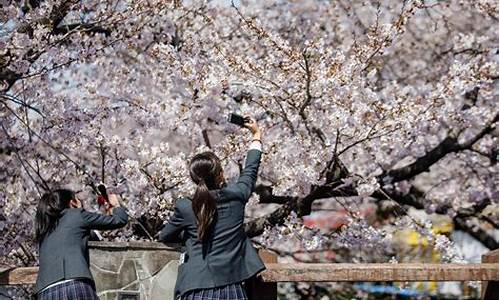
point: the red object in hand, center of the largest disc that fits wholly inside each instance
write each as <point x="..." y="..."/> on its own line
<point x="101" y="200"/>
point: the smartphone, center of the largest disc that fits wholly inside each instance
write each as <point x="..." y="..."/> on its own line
<point x="237" y="119"/>
<point x="102" y="198"/>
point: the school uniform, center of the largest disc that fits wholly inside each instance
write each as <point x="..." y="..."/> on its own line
<point x="69" y="289"/>
<point x="217" y="269"/>
<point x="64" y="256"/>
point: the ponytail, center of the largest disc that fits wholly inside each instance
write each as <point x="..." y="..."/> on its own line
<point x="205" y="170"/>
<point x="49" y="211"/>
<point x="204" y="208"/>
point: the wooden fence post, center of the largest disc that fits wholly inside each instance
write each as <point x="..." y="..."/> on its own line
<point x="489" y="289"/>
<point x="257" y="289"/>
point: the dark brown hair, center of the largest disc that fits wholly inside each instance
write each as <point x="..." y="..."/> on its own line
<point x="204" y="170"/>
<point x="49" y="211"/>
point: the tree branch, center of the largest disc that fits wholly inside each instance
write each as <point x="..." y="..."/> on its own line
<point x="415" y="198"/>
<point x="63" y="29"/>
<point x="476" y="231"/>
<point x="52" y="21"/>
<point x="448" y="145"/>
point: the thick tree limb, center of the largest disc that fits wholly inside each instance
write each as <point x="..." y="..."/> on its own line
<point x="476" y="231"/>
<point x="461" y="219"/>
<point x="448" y="145"/>
<point x="266" y="195"/>
<point x="302" y="206"/>
<point x="415" y="198"/>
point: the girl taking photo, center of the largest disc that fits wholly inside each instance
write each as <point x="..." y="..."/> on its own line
<point x="62" y="232"/>
<point x="219" y="256"/>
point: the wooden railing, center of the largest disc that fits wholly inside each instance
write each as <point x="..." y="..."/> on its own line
<point x="264" y="287"/>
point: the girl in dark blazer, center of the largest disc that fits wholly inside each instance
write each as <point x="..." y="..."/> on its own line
<point x="62" y="231"/>
<point x="219" y="256"/>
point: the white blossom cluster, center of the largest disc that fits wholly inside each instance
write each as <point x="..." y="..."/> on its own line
<point x="292" y="234"/>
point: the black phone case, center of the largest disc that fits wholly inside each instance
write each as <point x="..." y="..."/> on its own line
<point x="236" y="119"/>
<point x="102" y="189"/>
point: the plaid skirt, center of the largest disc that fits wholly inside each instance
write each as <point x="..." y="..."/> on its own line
<point x="232" y="291"/>
<point x="71" y="290"/>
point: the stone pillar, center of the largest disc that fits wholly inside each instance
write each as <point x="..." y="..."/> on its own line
<point x="134" y="270"/>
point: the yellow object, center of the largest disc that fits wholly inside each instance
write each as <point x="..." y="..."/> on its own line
<point x="419" y="249"/>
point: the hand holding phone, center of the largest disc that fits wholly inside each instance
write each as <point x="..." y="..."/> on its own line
<point x="245" y="121"/>
<point x="113" y="200"/>
<point x="237" y="119"/>
<point x="251" y="124"/>
<point x="102" y="197"/>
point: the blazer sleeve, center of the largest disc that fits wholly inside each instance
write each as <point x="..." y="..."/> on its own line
<point x="248" y="177"/>
<point x="118" y="219"/>
<point x="172" y="231"/>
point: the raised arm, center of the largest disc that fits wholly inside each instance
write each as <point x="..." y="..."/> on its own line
<point x="248" y="176"/>
<point x="117" y="219"/>
<point x="171" y="232"/>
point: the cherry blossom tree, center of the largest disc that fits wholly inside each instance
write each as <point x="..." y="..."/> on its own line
<point x="359" y="102"/>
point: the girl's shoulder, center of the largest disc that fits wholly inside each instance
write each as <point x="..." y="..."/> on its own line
<point x="230" y="192"/>
<point x="183" y="199"/>
<point x="71" y="215"/>
<point x="183" y="202"/>
<point x="71" y="210"/>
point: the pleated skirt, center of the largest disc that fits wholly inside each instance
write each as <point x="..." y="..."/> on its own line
<point x="71" y="290"/>
<point x="234" y="291"/>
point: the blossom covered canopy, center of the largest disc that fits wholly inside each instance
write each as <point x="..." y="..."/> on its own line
<point x="356" y="99"/>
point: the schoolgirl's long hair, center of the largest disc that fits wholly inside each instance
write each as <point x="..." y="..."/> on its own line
<point x="205" y="169"/>
<point x="49" y="210"/>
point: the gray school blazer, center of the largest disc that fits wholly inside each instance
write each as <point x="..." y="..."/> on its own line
<point x="229" y="255"/>
<point x="64" y="253"/>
